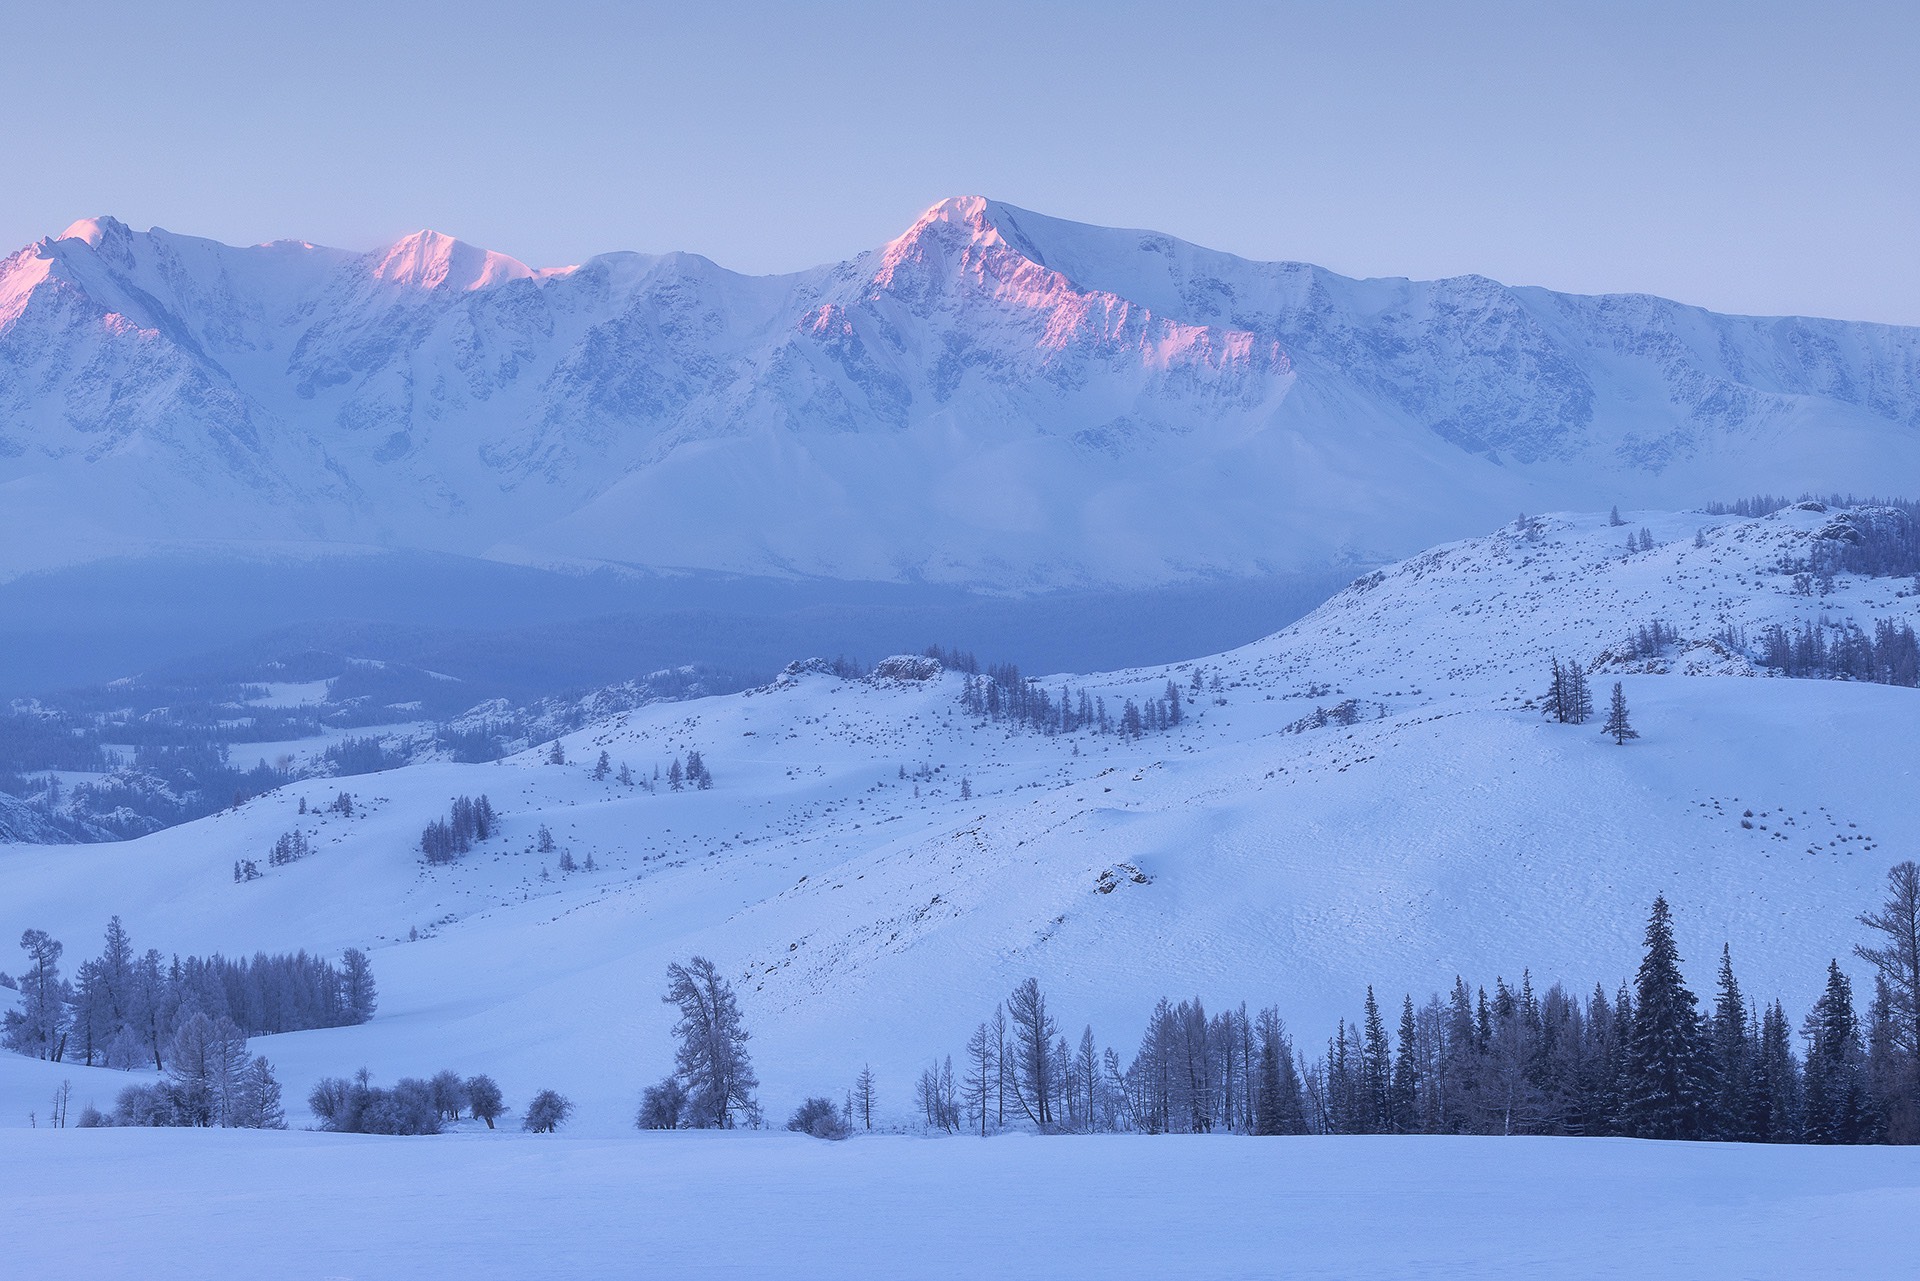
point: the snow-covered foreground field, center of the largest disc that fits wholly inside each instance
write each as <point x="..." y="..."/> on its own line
<point x="200" y="1204"/>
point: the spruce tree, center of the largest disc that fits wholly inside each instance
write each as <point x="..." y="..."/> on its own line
<point x="1403" y="1109"/>
<point x="1774" y="1102"/>
<point x="1835" y="1094"/>
<point x="1669" y="1089"/>
<point x="1732" y="1055"/>
<point x="1376" y="1071"/>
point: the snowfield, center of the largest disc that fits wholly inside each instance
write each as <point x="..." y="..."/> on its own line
<point x="203" y="1205"/>
<point x="874" y="869"/>
<point x="870" y="917"/>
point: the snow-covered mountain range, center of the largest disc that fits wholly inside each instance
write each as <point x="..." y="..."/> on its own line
<point x="995" y="399"/>
<point x="1370" y="795"/>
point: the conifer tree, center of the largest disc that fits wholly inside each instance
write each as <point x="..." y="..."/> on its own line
<point x="1898" y="961"/>
<point x="1835" y="1104"/>
<point x="1732" y="1054"/>
<point x="1376" y="1071"/>
<point x="1668" y="1089"/>
<point x="864" y="1096"/>
<point x="1617" y="726"/>
<point x="1775" y="1100"/>
<point x="711" y="1060"/>
<point x="1403" y="1111"/>
<point x="1579" y="695"/>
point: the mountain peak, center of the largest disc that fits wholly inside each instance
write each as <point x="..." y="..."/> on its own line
<point x="959" y="229"/>
<point x="434" y="260"/>
<point x="95" y="230"/>
<point x="976" y="216"/>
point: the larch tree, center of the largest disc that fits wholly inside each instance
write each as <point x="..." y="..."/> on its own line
<point x="1617" y="726"/>
<point x="39" y="1028"/>
<point x="864" y="1096"/>
<point x="1898" y="958"/>
<point x="711" y="1060"/>
<point x="1033" y="1033"/>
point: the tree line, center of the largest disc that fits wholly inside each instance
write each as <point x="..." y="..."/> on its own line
<point x="1645" y="1062"/>
<point x="123" y="1010"/>
<point x="1844" y="651"/>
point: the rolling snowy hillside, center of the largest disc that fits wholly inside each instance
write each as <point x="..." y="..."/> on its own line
<point x="1369" y="796"/>
<point x="995" y="399"/>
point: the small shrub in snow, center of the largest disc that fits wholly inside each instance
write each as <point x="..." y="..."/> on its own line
<point x="818" y="1117"/>
<point x="359" y="1107"/>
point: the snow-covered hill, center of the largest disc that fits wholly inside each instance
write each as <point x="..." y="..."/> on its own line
<point x="995" y="398"/>
<point x="1365" y="797"/>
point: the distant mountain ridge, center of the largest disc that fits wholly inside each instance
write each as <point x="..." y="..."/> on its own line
<point x="995" y="399"/>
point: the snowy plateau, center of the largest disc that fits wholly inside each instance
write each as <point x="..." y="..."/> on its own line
<point x="874" y="868"/>
<point x="996" y="400"/>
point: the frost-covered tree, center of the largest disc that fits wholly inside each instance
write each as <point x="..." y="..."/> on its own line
<point x="205" y="1061"/>
<point x="602" y="767"/>
<point x="711" y="1058"/>
<point x="360" y="1107"/>
<point x="358" y="995"/>
<point x="255" y="1102"/>
<point x="484" y="1098"/>
<point x="818" y="1117"/>
<point x="663" y="1106"/>
<point x="449" y="1094"/>
<point x="39" y="1028"/>
<point x="546" y="1112"/>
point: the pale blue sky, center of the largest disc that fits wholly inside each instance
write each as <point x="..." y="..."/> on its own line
<point x="1750" y="157"/>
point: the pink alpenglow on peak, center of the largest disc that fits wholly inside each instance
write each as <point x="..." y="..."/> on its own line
<point x="979" y="242"/>
<point x="430" y="260"/>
